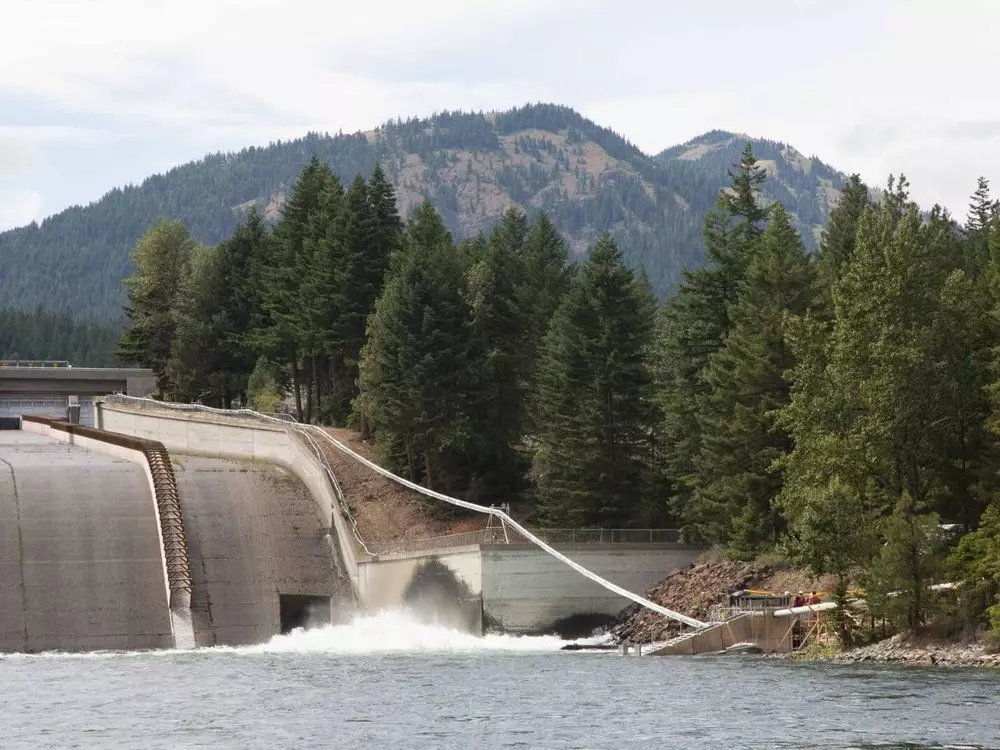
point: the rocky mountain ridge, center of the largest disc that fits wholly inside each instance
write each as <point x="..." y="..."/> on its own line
<point x="472" y="166"/>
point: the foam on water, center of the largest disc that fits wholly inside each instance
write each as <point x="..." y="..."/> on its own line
<point x="392" y="631"/>
<point x="396" y="631"/>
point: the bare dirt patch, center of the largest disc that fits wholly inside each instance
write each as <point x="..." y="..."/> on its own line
<point x="386" y="512"/>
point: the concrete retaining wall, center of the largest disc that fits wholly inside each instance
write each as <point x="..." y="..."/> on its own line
<point x="218" y="437"/>
<point x="521" y="589"/>
<point x="526" y="590"/>
<point x="445" y="588"/>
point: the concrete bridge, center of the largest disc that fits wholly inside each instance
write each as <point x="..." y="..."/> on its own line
<point x="93" y="556"/>
<point x="51" y="388"/>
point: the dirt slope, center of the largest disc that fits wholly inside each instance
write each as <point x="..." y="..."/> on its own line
<point x="386" y="512"/>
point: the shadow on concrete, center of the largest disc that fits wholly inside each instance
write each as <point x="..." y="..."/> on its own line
<point x="437" y="596"/>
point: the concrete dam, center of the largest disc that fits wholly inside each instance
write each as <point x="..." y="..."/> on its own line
<point x="171" y="529"/>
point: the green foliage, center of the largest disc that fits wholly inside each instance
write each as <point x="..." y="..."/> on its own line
<point x="415" y="380"/>
<point x="837" y="245"/>
<point x="736" y="486"/>
<point x="693" y="327"/>
<point x="906" y="565"/>
<point x="162" y="259"/>
<point x="263" y="387"/>
<point x="500" y="326"/>
<point x="41" y="335"/>
<point x="595" y="417"/>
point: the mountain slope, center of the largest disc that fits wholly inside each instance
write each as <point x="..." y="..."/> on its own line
<point x="472" y="166"/>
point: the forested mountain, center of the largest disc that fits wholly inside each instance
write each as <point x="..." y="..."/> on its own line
<point x="42" y="335"/>
<point x="472" y="167"/>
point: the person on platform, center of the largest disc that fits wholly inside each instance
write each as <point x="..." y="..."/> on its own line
<point x="813" y="598"/>
<point x="799" y="600"/>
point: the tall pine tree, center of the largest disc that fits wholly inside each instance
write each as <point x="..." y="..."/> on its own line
<point x="733" y="500"/>
<point x="415" y="373"/>
<point x="693" y="325"/>
<point x="594" y="415"/>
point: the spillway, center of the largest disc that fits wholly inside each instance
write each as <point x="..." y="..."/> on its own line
<point x="261" y="559"/>
<point x="80" y="564"/>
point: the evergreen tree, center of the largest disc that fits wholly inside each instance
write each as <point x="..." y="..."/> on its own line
<point x="198" y="369"/>
<point x="742" y="201"/>
<point x="594" y="414"/>
<point x="545" y="277"/>
<point x="415" y="374"/>
<point x="212" y="355"/>
<point x="746" y="384"/>
<point x="901" y="574"/>
<point x="888" y="407"/>
<point x="357" y="282"/>
<point x="980" y="225"/>
<point x="501" y="329"/>
<point x="291" y="259"/>
<point x="693" y="326"/>
<point x="161" y="259"/>
<point x="839" y="235"/>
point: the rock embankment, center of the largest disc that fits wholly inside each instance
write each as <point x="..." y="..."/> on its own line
<point x="696" y="589"/>
<point x="900" y="650"/>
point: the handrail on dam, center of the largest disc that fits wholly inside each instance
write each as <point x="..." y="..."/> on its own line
<point x="496" y="512"/>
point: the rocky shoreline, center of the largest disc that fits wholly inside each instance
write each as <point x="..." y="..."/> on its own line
<point x="898" y="650"/>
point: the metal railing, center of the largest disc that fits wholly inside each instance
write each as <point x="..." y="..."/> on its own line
<point x="25" y="363"/>
<point x="607" y="536"/>
<point x="496" y="535"/>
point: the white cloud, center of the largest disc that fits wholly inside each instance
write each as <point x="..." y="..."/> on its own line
<point x="19" y="207"/>
<point x="899" y="85"/>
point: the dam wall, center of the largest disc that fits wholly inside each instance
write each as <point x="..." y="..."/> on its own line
<point x="262" y="561"/>
<point x="512" y="587"/>
<point x="81" y="565"/>
<point x="200" y="434"/>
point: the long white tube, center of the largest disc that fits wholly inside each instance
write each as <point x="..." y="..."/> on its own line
<point x="642" y="601"/>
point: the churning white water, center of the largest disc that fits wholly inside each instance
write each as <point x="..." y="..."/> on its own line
<point x="395" y="631"/>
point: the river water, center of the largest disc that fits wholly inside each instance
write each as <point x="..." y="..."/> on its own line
<point x="387" y="682"/>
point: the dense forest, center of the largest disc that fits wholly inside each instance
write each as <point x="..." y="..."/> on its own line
<point x="472" y="167"/>
<point x="43" y="335"/>
<point x="840" y="407"/>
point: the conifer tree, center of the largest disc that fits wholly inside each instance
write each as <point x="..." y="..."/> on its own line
<point x="162" y="257"/>
<point x="197" y="368"/>
<point x="888" y="410"/>
<point x="980" y="225"/>
<point x="594" y="414"/>
<point x="693" y="325"/>
<point x="415" y="374"/>
<point x="501" y="329"/>
<point x="839" y="234"/>
<point x="544" y="280"/>
<point x="746" y="384"/>
<point x="280" y="277"/>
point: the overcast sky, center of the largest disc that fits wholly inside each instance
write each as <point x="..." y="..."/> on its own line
<point x="100" y="93"/>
